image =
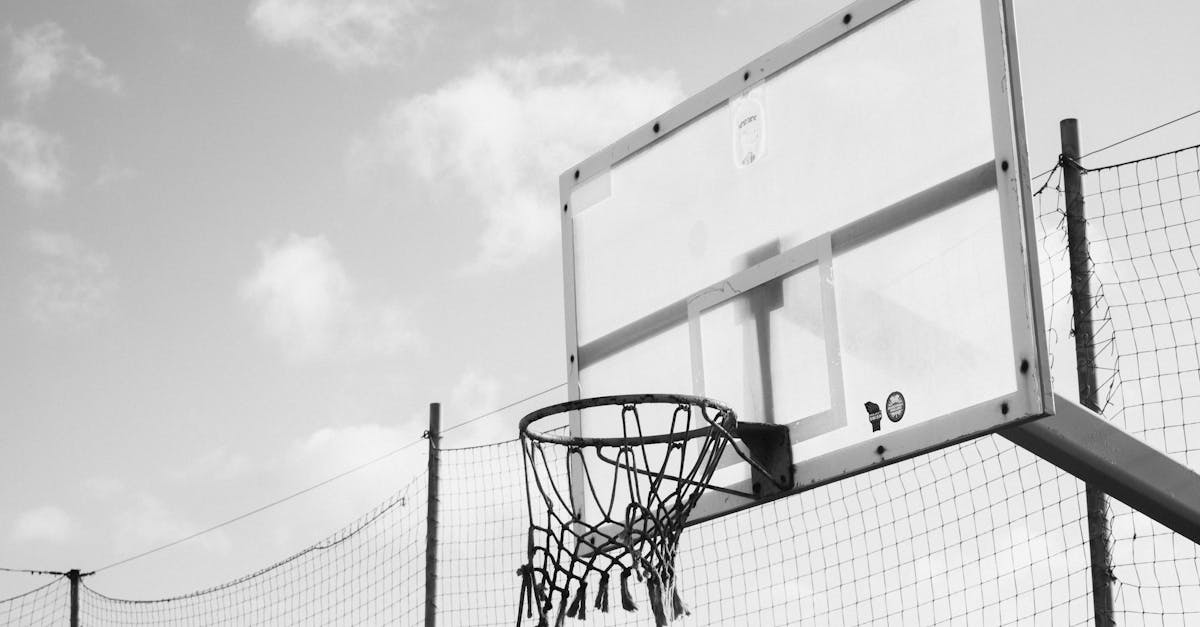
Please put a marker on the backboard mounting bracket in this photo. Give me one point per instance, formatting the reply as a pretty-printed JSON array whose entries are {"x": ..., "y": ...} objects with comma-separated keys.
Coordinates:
[{"x": 771, "y": 446}]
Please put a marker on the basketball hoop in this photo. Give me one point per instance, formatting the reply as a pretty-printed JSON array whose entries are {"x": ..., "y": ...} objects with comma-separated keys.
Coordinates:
[{"x": 634, "y": 522}]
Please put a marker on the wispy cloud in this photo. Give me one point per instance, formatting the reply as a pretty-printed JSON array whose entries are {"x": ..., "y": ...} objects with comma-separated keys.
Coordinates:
[
  {"x": 43, "y": 524},
  {"x": 102, "y": 487},
  {"x": 330, "y": 451},
  {"x": 71, "y": 285},
  {"x": 305, "y": 301},
  {"x": 41, "y": 55},
  {"x": 111, "y": 174},
  {"x": 504, "y": 132},
  {"x": 219, "y": 464},
  {"x": 347, "y": 33},
  {"x": 143, "y": 521},
  {"x": 39, "y": 58},
  {"x": 31, "y": 156},
  {"x": 474, "y": 395}
]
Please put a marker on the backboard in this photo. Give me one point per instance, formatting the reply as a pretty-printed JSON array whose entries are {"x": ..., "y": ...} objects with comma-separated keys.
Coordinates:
[{"x": 835, "y": 237}]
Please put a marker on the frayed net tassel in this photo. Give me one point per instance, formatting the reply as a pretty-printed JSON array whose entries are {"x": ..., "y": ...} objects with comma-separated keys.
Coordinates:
[
  {"x": 656, "y": 601},
  {"x": 562, "y": 612},
  {"x": 677, "y": 607},
  {"x": 527, "y": 601},
  {"x": 602, "y": 595},
  {"x": 543, "y": 604},
  {"x": 626, "y": 598},
  {"x": 578, "y": 607}
]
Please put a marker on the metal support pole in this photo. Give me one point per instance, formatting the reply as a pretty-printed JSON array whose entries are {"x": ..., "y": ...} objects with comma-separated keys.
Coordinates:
[
  {"x": 1083, "y": 443},
  {"x": 431, "y": 515},
  {"x": 1085, "y": 360},
  {"x": 73, "y": 576}
]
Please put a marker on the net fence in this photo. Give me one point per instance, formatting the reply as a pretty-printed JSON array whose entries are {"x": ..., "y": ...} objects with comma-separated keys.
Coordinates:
[
  {"x": 978, "y": 533},
  {"x": 1144, "y": 229},
  {"x": 370, "y": 572},
  {"x": 48, "y": 604}
]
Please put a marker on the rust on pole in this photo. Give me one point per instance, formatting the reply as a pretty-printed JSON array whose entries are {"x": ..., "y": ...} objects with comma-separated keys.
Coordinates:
[
  {"x": 1085, "y": 360},
  {"x": 431, "y": 515}
]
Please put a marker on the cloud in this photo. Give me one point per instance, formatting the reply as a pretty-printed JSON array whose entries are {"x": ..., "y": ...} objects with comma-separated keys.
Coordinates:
[
  {"x": 219, "y": 464},
  {"x": 504, "y": 132},
  {"x": 41, "y": 55},
  {"x": 110, "y": 174},
  {"x": 43, "y": 524},
  {"x": 347, "y": 33},
  {"x": 145, "y": 522},
  {"x": 31, "y": 156},
  {"x": 103, "y": 487},
  {"x": 72, "y": 285},
  {"x": 476, "y": 394},
  {"x": 307, "y": 303},
  {"x": 330, "y": 451}
]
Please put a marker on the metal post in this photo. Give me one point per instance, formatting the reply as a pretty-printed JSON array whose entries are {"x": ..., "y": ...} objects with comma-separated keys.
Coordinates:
[
  {"x": 1085, "y": 360},
  {"x": 73, "y": 576},
  {"x": 431, "y": 516},
  {"x": 1083, "y": 443}
]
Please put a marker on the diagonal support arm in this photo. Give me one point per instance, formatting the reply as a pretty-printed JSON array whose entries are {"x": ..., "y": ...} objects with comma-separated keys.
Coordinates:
[{"x": 1086, "y": 445}]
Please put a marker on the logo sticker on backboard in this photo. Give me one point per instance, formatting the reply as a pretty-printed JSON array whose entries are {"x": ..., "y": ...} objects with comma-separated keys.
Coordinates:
[
  {"x": 895, "y": 406},
  {"x": 873, "y": 415},
  {"x": 749, "y": 127}
]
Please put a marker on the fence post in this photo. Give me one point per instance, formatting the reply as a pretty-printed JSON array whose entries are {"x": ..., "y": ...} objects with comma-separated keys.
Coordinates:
[
  {"x": 1085, "y": 360},
  {"x": 431, "y": 515},
  {"x": 73, "y": 576}
]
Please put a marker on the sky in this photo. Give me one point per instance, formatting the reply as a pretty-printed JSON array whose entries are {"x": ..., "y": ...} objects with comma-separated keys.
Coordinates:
[{"x": 243, "y": 245}]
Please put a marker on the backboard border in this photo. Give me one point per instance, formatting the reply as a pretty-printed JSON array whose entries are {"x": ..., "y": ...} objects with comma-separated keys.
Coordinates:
[{"x": 1034, "y": 396}]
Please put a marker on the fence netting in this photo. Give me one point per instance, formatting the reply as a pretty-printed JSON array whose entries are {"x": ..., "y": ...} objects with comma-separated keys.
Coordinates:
[
  {"x": 1144, "y": 233},
  {"x": 978, "y": 533},
  {"x": 49, "y": 604},
  {"x": 371, "y": 572}
]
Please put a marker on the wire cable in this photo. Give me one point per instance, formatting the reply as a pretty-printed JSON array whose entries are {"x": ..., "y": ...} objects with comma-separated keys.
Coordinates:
[
  {"x": 1147, "y": 131},
  {"x": 260, "y": 509},
  {"x": 28, "y": 571},
  {"x": 1130, "y": 138},
  {"x": 310, "y": 488},
  {"x": 1143, "y": 159},
  {"x": 508, "y": 406}
]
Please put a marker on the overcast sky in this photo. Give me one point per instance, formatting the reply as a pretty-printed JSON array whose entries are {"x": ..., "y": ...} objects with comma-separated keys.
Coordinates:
[{"x": 244, "y": 244}]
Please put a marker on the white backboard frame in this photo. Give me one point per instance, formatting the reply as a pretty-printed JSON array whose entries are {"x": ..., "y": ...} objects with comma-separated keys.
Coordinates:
[{"x": 1007, "y": 174}]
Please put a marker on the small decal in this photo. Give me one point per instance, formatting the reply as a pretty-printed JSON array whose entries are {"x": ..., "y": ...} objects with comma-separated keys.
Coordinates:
[
  {"x": 895, "y": 406},
  {"x": 874, "y": 415},
  {"x": 749, "y": 127}
]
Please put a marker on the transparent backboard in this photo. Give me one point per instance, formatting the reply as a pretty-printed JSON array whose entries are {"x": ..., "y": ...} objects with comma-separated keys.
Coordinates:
[{"x": 834, "y": 238}]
